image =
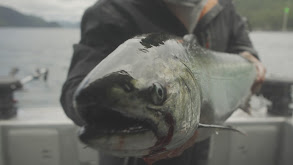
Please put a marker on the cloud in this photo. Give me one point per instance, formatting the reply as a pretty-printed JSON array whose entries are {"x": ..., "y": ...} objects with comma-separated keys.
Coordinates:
[{"x": 51, "y": 10}]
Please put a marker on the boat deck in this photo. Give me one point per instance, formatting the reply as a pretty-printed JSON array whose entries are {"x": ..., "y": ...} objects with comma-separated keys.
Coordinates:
[{"x": 45, "y": 136}]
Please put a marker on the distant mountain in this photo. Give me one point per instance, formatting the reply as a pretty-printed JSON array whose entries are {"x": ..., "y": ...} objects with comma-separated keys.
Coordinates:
[
  {"x": 266, "y": 14},
  {"x": 12, "y": 18},
  {"x": 67, "y": 24}
]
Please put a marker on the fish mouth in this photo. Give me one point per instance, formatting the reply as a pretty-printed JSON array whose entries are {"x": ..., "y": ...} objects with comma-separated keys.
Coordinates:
[
  {"x": 120, "y": 135},
  {"x": 109, "y": 122},
  {"x": 112, "y": 125}
]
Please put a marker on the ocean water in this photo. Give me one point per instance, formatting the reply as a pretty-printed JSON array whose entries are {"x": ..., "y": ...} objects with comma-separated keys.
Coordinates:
[{"x": 31, "y": 48}]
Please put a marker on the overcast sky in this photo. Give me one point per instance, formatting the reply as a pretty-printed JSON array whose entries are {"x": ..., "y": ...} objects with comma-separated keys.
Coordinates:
[{"x": 51, "y": 10}]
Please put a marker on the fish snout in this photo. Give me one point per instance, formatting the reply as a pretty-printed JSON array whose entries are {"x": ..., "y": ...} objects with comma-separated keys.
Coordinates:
[
  {"x": 117, "y": 105},
  {"x": 92, "y": 100}
]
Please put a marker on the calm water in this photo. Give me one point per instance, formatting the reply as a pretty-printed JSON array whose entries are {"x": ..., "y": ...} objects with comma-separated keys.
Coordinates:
[{"x": 29, "y": 49}]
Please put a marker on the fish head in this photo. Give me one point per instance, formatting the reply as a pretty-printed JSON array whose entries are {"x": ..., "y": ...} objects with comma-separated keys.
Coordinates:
[{"x": 141, "y": 99}]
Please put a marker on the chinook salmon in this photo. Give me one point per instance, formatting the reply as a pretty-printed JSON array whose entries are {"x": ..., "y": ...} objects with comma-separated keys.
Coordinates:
[{"x": 155, "y": 91}]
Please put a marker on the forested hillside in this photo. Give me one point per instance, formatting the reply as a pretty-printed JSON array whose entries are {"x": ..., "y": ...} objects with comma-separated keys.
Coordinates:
[
  {"x": 13, "y": 18},
  {"x": 261, "y": 14},
  {"x": 265, "y": 14}
]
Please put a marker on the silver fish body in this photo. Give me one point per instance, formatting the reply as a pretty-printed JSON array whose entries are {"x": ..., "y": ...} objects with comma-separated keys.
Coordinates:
[{"x": 151, "y": 94}]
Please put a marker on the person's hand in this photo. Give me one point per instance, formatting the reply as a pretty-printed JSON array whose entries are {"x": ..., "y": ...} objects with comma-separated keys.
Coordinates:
[
  {"x": 261, "y": 70},
  {"x": 172, "y": 153}
]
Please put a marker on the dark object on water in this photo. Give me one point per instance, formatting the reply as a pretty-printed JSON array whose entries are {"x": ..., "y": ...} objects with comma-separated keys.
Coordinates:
[
  {"x": 279, "y": 91},
  {"x": 9, "y": 84}
]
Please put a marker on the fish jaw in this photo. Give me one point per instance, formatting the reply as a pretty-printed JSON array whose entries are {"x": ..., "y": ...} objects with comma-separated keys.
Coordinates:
[
  {"x": 120, "y": 117},
  {"x": 123, "y": 144}
]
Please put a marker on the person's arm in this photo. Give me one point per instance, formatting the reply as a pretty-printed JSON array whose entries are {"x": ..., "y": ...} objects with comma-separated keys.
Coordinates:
[
  {"x": 261, "y": 70},
  {"x": 239, "y": 40},
  {"x": 103, "y": 29},
  {"x": 240, "y": 43}
]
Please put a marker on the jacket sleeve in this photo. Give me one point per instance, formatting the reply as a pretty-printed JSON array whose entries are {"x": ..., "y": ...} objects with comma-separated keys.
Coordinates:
[
  {"x": 239, "y": 37},
  {"x": 103, "y": 29}
]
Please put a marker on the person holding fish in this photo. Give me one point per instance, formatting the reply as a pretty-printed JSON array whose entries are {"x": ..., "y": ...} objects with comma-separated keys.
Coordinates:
[{"x": 215, "y": 25}]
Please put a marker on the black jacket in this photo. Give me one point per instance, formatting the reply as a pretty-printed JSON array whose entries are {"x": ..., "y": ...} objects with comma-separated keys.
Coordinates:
[{"x": 108, "y": 23}]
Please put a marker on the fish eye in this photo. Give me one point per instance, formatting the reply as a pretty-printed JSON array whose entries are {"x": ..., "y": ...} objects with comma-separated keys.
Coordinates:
[{"x": 158, "y": 94}]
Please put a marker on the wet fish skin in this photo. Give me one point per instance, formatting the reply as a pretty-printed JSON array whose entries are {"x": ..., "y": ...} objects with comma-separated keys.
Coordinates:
[{"x": 153, "y": 91}]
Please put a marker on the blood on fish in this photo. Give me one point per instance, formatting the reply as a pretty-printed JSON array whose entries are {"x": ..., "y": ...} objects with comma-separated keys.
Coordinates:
[
  {"x": 172, "y": 153},
  {"x": 121, "y": 142},
  {"x": 148, "y": 161},
  {"x": 162, "y": 141},
  {"x": 165, "y": 140}
]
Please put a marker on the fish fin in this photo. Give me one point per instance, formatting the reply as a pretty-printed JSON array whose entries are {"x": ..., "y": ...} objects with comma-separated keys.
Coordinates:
[
  {"x": 246, "y": 105},
  {"x": 247, "y": 110},
  {"x": 190, "y": 40},
  {"x": 220, "y": 127}
]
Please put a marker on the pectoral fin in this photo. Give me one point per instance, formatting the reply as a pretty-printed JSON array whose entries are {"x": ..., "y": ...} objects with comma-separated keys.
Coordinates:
[
  {"x": 246, "y": 106},
  {"x": 220, "y": 127}
]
